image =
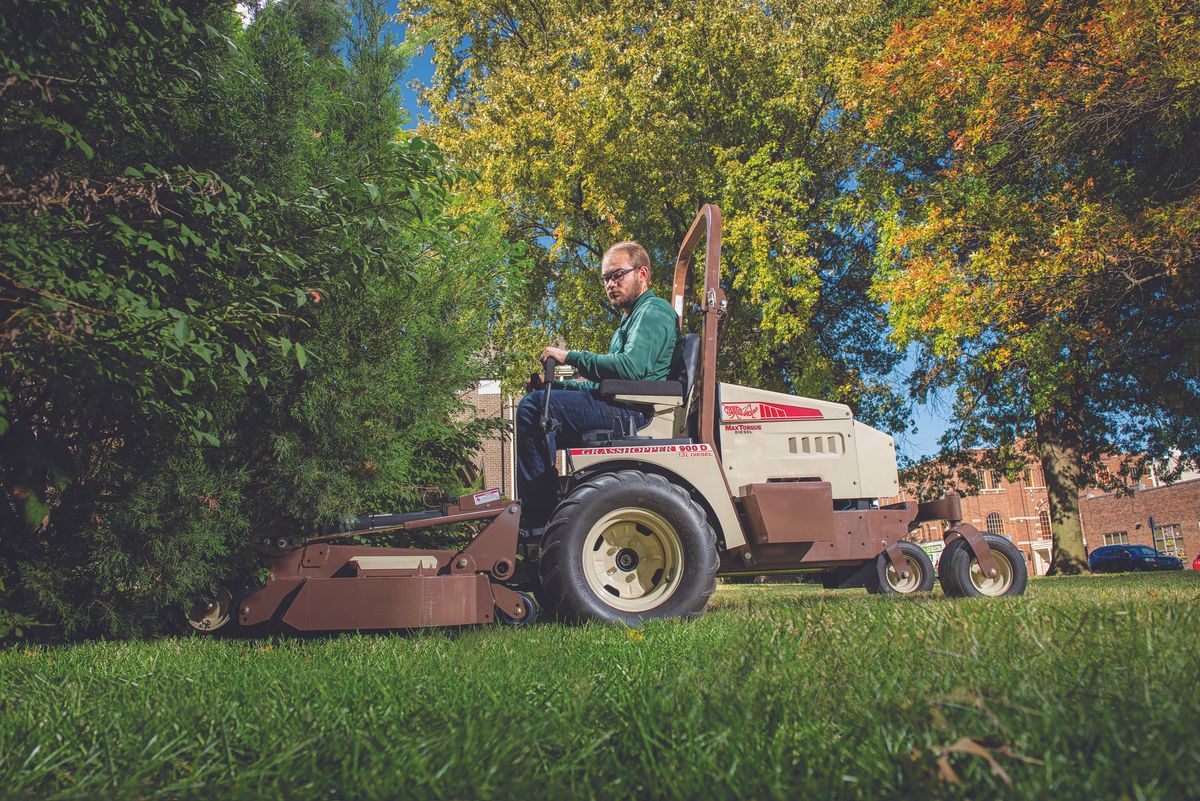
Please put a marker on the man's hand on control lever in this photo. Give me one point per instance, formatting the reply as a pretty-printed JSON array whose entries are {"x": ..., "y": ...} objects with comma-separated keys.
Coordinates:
[
  {"x": 537, "y": 380},
  {"x": 558, "y": 354}
]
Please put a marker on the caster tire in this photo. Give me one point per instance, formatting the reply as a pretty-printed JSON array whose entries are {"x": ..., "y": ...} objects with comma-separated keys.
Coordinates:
[
  {"x": 217, "y": 613},
  {"x": 961, "y": 576},
  {"x": 627, "y": 547},
  {"x": 885, "y": 579},
  {"x": 531, "y": 615}
]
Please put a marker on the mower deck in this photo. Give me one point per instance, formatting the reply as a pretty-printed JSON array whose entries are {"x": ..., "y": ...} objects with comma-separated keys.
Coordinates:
[{"x": 317, "y": 586}]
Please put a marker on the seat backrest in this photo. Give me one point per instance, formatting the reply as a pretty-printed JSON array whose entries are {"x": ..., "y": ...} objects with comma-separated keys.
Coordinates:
[
  {"x": 686, "y": 363},
  {"x": 684, "y": 368}
]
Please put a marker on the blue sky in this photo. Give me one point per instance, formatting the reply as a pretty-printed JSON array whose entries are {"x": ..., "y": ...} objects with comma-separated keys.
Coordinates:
[
  {"x": 930, "y": 418},
  {"x": 420, "y": 70}
]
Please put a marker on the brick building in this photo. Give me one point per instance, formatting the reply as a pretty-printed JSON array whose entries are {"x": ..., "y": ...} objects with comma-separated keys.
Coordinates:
[
  {"x": 1120, "y": 518},
  {"x": 1020, "y": 510},
  {"x": 496, "y": 461}
]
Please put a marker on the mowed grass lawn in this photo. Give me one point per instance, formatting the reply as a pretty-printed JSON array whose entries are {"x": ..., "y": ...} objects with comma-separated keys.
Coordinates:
[{"x": 1083, "y": 688}]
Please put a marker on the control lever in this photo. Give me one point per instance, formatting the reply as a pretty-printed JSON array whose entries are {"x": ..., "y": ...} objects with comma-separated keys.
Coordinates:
[{"x": 549, "y": 424}]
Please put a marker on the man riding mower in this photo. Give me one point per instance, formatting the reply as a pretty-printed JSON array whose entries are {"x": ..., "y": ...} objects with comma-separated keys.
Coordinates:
[{"x": 672, "y": 479}]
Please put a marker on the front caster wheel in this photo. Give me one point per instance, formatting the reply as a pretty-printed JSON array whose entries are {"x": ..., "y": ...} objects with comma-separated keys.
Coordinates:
[
  {"x": 206, "y": 618},
  {"x": 885, "y": 579},
  {"x": 530, "y": 612},
  {"x": 962, "y": 577},
  {"x": 627, "y": 547}
]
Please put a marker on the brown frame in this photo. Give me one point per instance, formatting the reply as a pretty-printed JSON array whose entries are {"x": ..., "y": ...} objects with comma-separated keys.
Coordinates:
[{"x": 708, "y": 221}]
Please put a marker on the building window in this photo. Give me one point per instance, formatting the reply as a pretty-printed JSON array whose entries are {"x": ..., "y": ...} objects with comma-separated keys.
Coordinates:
[
  {"x": 987, "y": 479},
  {"x": 1044, "y": 530},
  {"x": 1168, "y": 539},
  {"x": 1035, "y": 476},
  {"x": 995, "y": 524},
  {"x": 1117, "y": 538}
]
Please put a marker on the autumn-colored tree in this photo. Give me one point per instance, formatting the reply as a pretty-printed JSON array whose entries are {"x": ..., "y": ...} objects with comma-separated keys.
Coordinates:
[
  {"x": 1040, "y": 227},
  {"x": 594, "y": 122}
]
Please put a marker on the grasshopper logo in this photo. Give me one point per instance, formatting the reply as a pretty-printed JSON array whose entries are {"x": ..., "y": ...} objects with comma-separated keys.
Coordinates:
[{"x": 768, "y": 411}]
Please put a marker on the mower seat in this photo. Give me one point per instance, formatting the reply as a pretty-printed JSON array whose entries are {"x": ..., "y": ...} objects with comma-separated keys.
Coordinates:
[{"x": 671, "y": 398}]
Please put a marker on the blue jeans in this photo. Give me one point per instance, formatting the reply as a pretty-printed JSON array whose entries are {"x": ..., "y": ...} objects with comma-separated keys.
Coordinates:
[{"x": 576, "y": 411}]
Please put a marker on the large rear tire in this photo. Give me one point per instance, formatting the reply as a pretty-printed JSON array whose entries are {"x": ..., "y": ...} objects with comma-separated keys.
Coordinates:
[
  {"x": 962, "y": 577},
  {"x": 886, "y": 580},
  {"x": 627, "y": 547}
]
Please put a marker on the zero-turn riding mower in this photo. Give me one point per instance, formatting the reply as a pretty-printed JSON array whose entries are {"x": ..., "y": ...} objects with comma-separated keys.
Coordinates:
[{"x": 722, "y": 480}]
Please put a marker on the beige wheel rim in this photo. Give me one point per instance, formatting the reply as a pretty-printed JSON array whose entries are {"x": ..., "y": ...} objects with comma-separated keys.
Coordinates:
[
  {"x": 905, "y": 585},
  {"x": 633, "y": 559},
  {"x": 213, "y": 615},
  {"x": 993, "y": 585}
]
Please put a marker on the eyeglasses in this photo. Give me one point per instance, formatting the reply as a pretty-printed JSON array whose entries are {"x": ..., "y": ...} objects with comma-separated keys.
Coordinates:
[{"x": 616, "y": 275}]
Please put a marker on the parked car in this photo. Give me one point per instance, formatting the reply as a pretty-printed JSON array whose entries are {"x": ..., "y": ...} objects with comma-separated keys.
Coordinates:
[
  {"x": 1196, "y": 563},
  {"x": 1123, "y": 558}
]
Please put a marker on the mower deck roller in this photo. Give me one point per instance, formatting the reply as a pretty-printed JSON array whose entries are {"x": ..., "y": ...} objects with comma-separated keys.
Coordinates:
[{"x": 722, "y": 480}]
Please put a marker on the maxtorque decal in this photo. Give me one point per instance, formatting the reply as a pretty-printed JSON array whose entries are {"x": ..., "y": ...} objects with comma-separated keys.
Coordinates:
[
  {"x": 755, "y": 410},
  {"x": 682, "y": 450}
]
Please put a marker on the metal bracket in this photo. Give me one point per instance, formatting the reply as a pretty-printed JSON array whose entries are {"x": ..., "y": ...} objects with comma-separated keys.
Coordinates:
[
  {"x": 978, "y": 546},
  {"x": 898, "y": 559},
  {"x": 462, "y": 563},
  {"x": 314, "y": 555},
  {"x": 510, "y": 601}
]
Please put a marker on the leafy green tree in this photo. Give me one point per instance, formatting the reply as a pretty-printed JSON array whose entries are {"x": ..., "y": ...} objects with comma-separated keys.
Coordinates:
[
  {"x": 594, "y": 122},
  {"x": 1040, "y": 226},
  {"x": 233, "y": 299}
]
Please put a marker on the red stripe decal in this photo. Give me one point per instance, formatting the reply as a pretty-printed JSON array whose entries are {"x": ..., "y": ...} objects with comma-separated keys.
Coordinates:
[{"x": 735, "y": 412}]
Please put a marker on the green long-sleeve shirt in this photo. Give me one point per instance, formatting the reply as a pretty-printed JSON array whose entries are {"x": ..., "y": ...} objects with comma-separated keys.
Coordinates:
[{"x": 641, "y": 348}]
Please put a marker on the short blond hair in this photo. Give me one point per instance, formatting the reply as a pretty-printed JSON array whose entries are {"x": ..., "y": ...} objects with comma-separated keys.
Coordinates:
[{"x": 637, "y": 255}]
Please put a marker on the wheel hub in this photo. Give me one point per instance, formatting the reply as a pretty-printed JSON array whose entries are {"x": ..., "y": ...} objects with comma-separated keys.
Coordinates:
[
  {"x": 995, "y": 585},
  {"x": 627, "y": 559},
  {"x": 907, "y": 581},
  {"x": 208, "y": 617},
  {"x": 633, "y": 559}
]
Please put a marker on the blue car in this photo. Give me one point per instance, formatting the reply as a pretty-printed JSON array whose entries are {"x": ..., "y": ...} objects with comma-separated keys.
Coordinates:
[{"x": 1135, "y": 558}]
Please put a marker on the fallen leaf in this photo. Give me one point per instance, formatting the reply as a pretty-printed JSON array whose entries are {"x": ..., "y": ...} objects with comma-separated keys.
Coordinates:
[{"x": 965, "y": 745}]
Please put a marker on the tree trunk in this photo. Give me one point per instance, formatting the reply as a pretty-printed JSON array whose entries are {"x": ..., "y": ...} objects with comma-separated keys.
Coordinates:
[{"x": 1059, "y": 451}]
